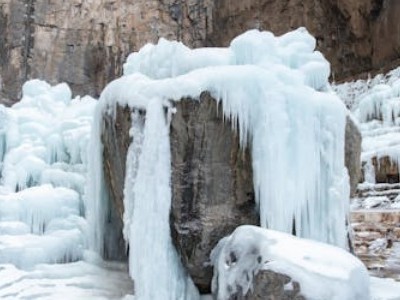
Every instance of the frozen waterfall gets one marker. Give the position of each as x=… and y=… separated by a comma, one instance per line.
x=43, y=227
x=54, y=203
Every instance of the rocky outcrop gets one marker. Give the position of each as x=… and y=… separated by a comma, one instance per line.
x=85, y=43
x=353, y=154
x=355, y=35
x=271, y=285
x=212, y=184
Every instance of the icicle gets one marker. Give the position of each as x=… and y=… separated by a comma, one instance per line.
x=132, y=165
x=151, y=250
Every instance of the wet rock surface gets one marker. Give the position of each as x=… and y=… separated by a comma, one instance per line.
x=211, y=179
x=116, y=141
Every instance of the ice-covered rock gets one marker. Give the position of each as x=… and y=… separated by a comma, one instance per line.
x=315, y=270
x=274, y=92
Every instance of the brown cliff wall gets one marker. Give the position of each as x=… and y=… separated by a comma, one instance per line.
x=355, y=35
x=85, y=42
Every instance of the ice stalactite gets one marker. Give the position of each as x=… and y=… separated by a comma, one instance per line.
x=149, y=237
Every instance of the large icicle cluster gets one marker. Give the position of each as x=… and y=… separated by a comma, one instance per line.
x=43, y=152
x=275, y=90
x=43, y=231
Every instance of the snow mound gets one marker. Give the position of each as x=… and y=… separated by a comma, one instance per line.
x=323, y=271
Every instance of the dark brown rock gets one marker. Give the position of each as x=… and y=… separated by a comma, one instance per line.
x=116, y=141
x=386, y=170
x=355, y=35
x=212, y=186
x=85, y=43
x=353, y=154
x=269, y=285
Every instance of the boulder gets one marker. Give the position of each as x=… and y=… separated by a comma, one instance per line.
x=211, y=179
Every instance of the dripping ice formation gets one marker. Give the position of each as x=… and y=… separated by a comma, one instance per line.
x=43, y=173
x=376, y=107
x=43, y=230
x=276, y=92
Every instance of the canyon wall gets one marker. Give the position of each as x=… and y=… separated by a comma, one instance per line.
x=85, y=42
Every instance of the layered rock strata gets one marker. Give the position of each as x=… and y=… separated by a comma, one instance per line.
x=84, y=42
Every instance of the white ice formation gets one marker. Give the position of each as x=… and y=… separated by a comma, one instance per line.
x=276, y=90
x=375, y=103
x=43, y=231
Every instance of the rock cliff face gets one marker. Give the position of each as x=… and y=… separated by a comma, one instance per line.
x=116, y=141
x=84, y=42
x=355, y=35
